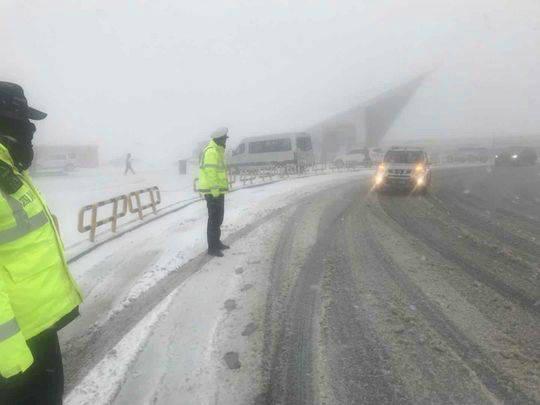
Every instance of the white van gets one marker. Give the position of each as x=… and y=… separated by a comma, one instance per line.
x=271, y=151
x=59, y=163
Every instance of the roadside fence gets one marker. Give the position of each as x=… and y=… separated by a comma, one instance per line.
x=120, y=206
x=135, y=197
x=141, y=202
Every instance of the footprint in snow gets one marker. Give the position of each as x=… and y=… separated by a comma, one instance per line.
x=249, y=329
x=232, y=360
x=230, y=305
x=246, y=287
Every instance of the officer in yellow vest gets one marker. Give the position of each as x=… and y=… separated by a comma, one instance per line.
x=38, y=296
x=214, y=183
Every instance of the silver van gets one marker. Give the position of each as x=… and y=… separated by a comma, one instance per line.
x=273, y=151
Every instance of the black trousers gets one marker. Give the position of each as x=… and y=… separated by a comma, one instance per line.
x=43, y=382
x=216, y=210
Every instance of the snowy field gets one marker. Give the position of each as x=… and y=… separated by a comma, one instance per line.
x=119, y=272
x=66, y=194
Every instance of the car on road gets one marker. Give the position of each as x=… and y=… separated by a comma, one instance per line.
x=404, y=168
x=60, y=163
x=516, y=157
x=470, y=155
x=365, y=157
x=353, y=158
x=376, y=155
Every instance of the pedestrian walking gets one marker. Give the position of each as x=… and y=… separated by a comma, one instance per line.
x=38, y=296
x=129, y=166
x=214, y=183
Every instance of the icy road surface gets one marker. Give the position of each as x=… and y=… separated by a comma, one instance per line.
x=330, y=295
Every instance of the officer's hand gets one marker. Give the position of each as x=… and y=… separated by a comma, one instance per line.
x=15, y=356
x=214, y=192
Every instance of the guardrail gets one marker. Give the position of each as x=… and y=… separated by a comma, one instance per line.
x=132, y=203
x=122, y=202
x=121, y=206
x=251, y=175
x=137, y=207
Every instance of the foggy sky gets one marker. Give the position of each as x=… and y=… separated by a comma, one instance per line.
x=153, y=77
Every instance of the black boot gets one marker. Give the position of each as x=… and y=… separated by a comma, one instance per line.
x=215, y=252
x=223, y=246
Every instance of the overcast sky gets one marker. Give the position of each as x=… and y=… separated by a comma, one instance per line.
x=153, y=77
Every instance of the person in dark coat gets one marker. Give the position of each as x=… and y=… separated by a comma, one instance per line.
x=129, y=166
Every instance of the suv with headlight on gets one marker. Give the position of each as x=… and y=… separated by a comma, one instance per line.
x=403, y=168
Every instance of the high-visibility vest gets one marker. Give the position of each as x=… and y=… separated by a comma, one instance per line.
x=36, y=288
x=213, y=178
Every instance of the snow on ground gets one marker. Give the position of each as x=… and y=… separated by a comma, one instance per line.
x=121, y=270
x=214, y=314
x=67, y=194
x=102, y=383
x=175, y=355
x=118, y=272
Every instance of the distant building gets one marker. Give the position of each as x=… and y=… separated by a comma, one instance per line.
x=364, y=125
x=86, y=156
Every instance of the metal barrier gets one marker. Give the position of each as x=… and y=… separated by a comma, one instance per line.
x=121, y=206
x=248, y=175
x=132, y=202
x=95, y=223
x=138, y=208
x=232, y=179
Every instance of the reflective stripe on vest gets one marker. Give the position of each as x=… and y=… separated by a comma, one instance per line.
x=207, y=190
x=205, y=165
x=23, y=224
x=8, y=329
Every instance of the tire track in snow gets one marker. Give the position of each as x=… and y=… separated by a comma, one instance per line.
x=81, y=354
x=470, y=353
x=419, y=228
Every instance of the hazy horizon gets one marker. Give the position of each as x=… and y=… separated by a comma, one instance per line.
x=155, y=78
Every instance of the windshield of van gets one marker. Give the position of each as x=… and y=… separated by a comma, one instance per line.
x=303, y=143
x=240, y=149
x=271, y=145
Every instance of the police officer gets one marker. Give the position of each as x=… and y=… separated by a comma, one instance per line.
x=214, y=183
x=38, y=296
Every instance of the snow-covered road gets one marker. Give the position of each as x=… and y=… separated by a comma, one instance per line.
x=330, y=294
x=150, y=274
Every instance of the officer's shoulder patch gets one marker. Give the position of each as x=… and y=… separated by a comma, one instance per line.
x=9, y=182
